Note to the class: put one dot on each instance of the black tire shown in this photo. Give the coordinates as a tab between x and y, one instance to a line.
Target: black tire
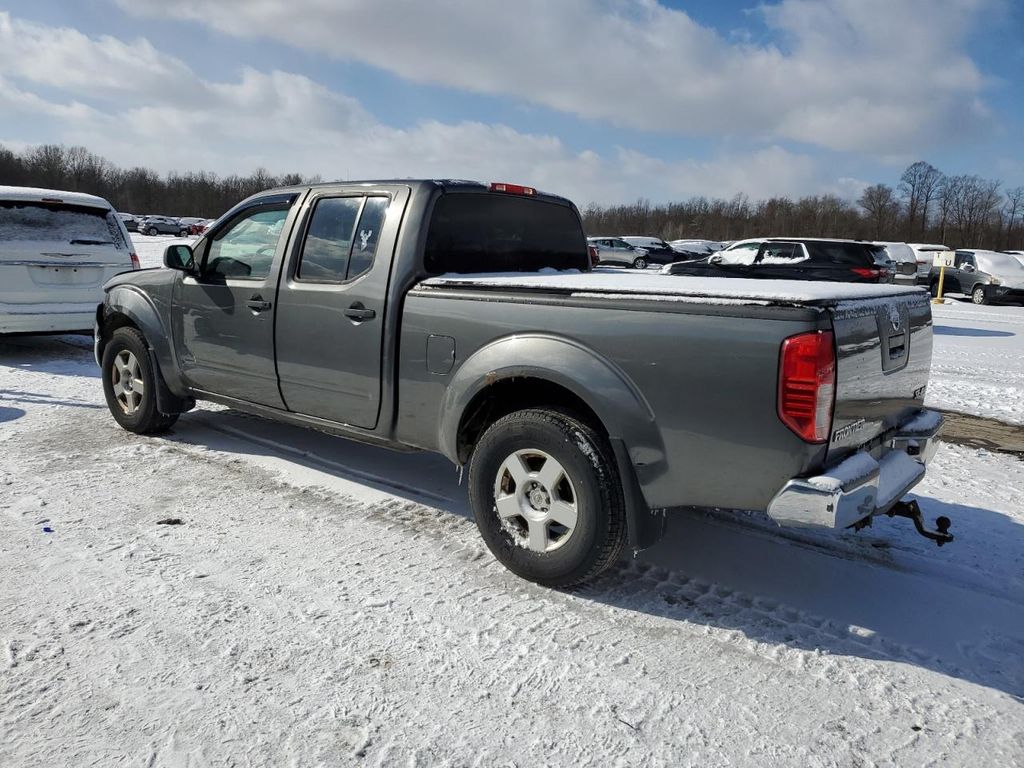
639	263
933	288
182	233
152	231
145	419
589	466
979	295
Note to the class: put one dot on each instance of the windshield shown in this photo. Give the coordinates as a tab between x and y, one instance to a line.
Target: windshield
999	264
74	224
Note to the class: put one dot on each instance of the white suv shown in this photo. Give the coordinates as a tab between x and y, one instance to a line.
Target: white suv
56	251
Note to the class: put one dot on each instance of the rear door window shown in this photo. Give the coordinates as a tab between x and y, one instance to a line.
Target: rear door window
780	253
487	232
341	242
847	254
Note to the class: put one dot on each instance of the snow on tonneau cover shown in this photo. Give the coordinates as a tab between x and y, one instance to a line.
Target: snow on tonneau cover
883	331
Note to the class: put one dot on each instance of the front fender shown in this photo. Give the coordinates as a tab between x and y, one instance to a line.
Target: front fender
603	386
138	306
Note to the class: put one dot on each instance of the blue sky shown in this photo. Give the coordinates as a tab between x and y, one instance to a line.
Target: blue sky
603	100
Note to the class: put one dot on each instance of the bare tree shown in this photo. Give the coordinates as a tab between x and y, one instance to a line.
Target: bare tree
1013	209
882	208
918	187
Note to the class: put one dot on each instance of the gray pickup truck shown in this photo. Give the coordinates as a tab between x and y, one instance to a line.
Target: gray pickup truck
465	319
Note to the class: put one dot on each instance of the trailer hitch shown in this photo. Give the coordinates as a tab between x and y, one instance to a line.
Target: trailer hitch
940	535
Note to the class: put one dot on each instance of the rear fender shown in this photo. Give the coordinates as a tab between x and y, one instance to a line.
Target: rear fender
623	411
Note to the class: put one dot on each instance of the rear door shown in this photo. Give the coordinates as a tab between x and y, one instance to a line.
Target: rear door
55	257
223	324
883	357
332	301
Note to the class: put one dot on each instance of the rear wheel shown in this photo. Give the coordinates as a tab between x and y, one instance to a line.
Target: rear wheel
639	263
129	384
182	233
979	295
546	496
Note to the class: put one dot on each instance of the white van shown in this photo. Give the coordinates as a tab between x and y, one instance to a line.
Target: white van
56	251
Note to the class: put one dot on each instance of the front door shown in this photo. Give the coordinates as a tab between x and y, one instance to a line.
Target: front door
332	303
224	326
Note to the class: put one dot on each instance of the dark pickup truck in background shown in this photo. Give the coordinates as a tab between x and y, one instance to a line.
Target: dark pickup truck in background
465	319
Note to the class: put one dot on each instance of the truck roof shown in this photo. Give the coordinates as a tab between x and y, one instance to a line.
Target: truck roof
448	185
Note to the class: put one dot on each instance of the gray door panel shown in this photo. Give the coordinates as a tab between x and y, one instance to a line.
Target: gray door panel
224	326
330	332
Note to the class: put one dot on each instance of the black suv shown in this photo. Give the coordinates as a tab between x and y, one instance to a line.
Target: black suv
796	258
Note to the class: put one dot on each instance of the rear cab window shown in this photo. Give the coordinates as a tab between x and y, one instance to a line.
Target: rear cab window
486	232
29	221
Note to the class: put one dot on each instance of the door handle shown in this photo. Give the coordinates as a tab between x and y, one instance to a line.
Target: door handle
257	304
358	312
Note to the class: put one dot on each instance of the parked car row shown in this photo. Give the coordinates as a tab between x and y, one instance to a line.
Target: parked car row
640	252
164	225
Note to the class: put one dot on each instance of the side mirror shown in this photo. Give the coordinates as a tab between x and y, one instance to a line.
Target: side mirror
180	257
716	260
967	267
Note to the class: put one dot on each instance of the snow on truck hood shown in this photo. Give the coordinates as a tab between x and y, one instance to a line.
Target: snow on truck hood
677	287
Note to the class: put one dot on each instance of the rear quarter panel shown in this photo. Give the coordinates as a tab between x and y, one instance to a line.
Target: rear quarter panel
707	374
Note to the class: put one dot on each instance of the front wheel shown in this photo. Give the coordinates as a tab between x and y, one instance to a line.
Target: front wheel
979	295
547	498
639	263
129	384
152	231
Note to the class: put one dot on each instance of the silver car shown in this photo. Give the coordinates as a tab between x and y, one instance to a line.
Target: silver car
615	250
57	249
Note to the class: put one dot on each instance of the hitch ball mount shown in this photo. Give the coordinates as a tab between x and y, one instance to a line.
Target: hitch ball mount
940	534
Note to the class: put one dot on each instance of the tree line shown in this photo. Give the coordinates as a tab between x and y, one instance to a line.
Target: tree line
926	206
135	190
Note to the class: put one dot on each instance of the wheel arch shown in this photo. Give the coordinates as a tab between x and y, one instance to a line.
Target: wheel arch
536	370
126	306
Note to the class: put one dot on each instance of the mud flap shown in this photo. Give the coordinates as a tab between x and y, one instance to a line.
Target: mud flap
644	527
167	402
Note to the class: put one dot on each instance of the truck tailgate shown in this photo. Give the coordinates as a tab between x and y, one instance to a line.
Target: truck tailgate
883	355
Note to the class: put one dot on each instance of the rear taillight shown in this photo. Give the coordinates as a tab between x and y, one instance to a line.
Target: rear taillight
136	264
512	189
867	272
807	384
594	258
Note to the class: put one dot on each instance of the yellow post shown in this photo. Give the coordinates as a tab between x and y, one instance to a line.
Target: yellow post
942	276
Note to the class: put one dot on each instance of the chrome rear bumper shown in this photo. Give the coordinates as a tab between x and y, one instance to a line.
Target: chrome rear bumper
864	484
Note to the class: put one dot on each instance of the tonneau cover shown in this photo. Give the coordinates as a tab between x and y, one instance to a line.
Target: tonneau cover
676	287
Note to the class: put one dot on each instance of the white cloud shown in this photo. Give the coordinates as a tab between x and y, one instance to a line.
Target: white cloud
884	76
288	122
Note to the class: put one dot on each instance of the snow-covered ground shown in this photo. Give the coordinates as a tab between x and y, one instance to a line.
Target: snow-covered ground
978	360
325	603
